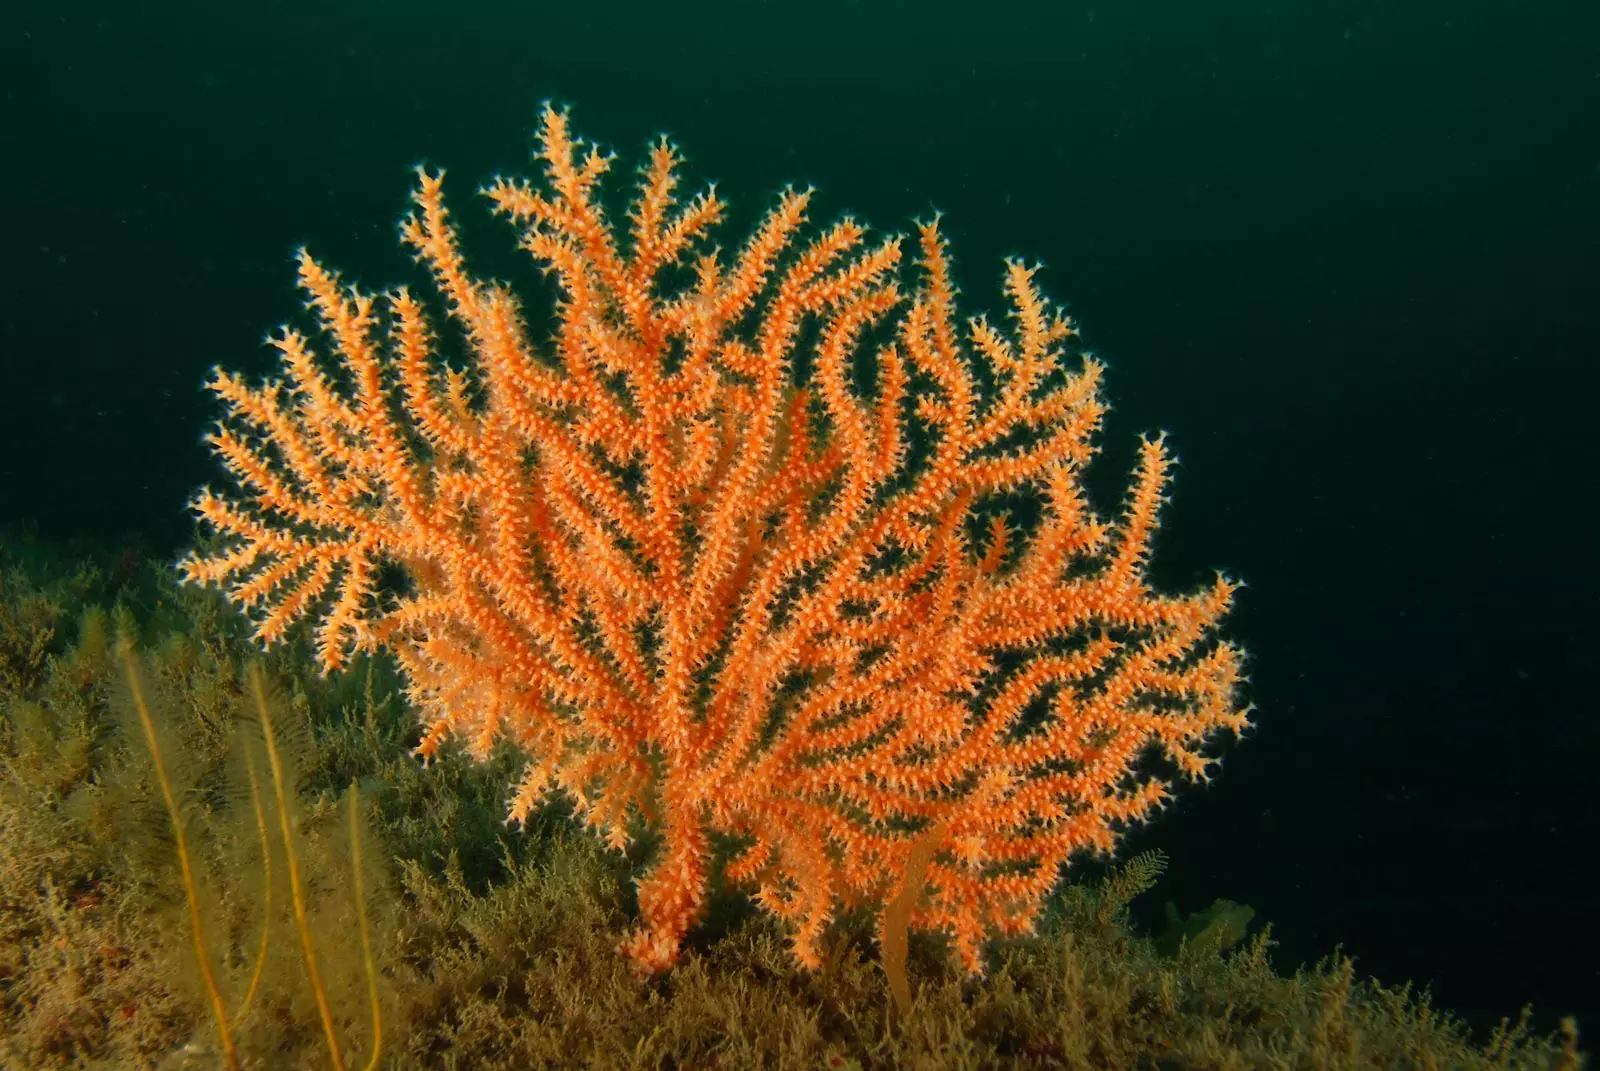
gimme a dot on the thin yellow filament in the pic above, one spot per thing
(258, 688)
(366, 937)
(266, 886)
(189, 886)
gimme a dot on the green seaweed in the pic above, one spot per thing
(1205, 933)
(496, 948)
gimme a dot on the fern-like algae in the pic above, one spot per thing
(504, 957)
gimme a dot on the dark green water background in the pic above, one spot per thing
(1344, 252)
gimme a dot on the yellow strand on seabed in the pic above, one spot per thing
(190, 887)
(366, 936)
(266, 888)
(297, 895)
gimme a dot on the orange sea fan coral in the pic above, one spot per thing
(727, 552)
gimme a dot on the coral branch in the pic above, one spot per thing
(711, 558)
